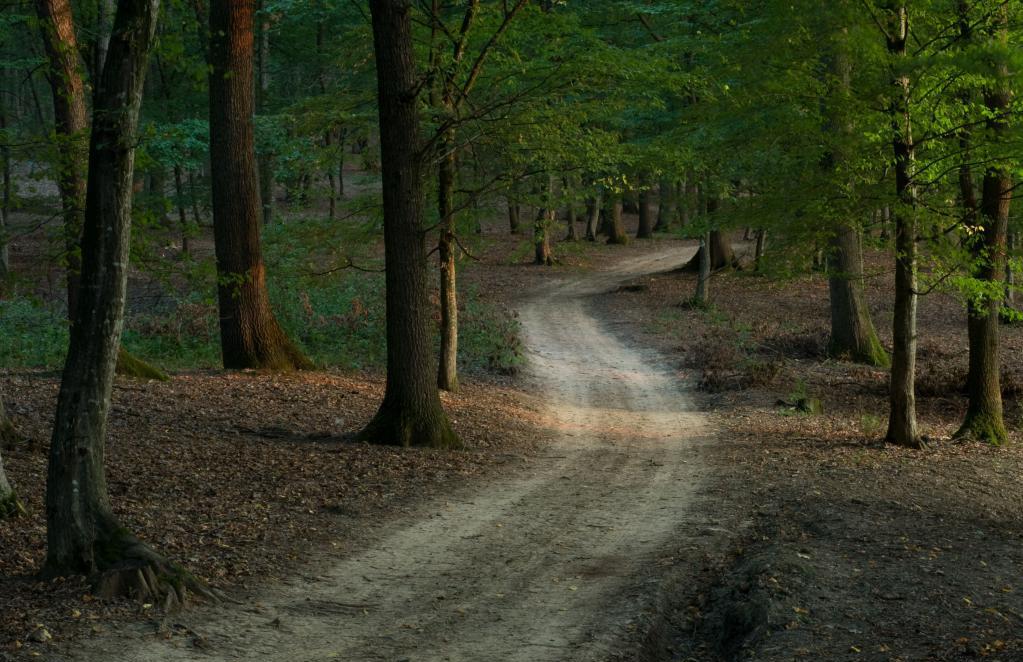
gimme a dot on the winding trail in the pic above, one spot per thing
(559, 562)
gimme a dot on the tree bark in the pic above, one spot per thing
(984, 419)
(83, 535)
(411, 412)
(447, 372)
(902, 427)
(265, 162)
(666, 206)
(572, 216)
(72, 127)
(646, 220)
(593, 206)
(9, 504)
(250, 335)
(6, 191)
(702, 296)
(514, 216)
(852, 331)
(615, 227)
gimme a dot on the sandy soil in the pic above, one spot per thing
(557, 562)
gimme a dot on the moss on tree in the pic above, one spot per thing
(985, 427)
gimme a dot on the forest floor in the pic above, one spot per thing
(854, 550)
(643, 490)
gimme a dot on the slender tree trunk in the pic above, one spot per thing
(447, 373)
(250, 336)
(666, 206)
(411, 413)
(645, 229)
(984, 419)
(179, 193)
(572, 212)
(702, 297)
(72, 127)
(104, 22)
(5, 198)
(83, 535)
(761, 247)
(902, 428)
(267, 176)
(593, 206)
(514, 215)
(852, 331)
(615, 227)
(1010, 276)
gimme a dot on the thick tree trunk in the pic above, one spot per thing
(83, 535)
(411, 413)
(902, 428)
(984, 419)
(852, 331)
(545, 218)
(645, 229)
(615, 228)
(666, 206)
(72, 127)
(249, 333)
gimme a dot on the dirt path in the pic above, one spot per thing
(558, 562)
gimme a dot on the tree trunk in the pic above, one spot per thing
(9, 504)
(447, 372)
(265, 163)
(179, 193)
(411, 413)
(514, 216)
(104, 21)
(72, 126)
(545, 218)
(593, 217)
(984, 419)
(852, 330)
(572, 215)
(250, 335)
(902, 428)
(83, 535)
(702, 297)
(615, 227)
(646, 221)
(666, 206)
(5, 198)
(761, 247)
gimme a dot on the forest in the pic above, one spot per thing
(527, 330)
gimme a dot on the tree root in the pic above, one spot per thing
(144, 575)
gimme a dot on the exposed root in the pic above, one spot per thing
(142, 574)
(131, 366)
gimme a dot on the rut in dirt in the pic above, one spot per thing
(557, 563)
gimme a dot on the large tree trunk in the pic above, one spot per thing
(902, 428)
(411, 413)
(984, 419)
(250, 335)
(615, 228)
(83, 535)
(852, 331)
(72, 125)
